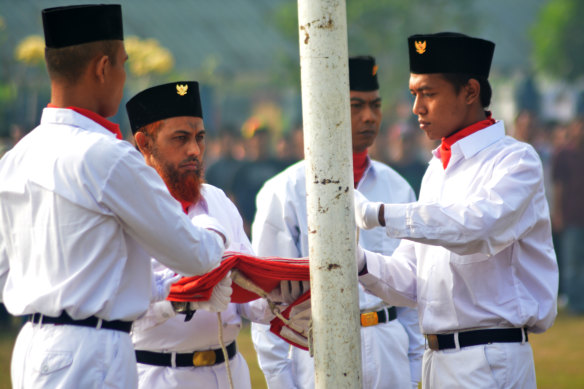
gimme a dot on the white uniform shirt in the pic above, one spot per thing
(154, 332)
(80, 216)
(280, 228)
(479, 252)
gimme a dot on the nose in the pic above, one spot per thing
(368, 115)
(193, 148)
(417, 107)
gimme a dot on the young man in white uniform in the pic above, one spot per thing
(476, 255)
(392, 349)
(75, 239)
(167, 122)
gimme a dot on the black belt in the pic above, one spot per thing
(473, 338)
(197, 358)
(382, 316)
(91, 321)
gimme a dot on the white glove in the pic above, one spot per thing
(161, 282)
(210, 223)
(220, 297)
(366, 212)
(289, 291)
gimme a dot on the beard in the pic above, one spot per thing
(185, 186)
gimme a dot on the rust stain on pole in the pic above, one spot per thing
(327, 24)
(306, 34)
(325, 181)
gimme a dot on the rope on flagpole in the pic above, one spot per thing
(248, 284)
(224, 349)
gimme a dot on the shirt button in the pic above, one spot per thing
(45, 368)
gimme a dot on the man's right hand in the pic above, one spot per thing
(288, 291)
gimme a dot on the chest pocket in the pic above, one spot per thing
(481, 276)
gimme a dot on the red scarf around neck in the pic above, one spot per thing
(185, 205)
(113, 127)
(447, 142)
(359, 166)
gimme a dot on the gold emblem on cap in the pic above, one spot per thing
(375, 67)
(181, 90)
(420, 46)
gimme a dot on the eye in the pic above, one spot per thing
(356, 105)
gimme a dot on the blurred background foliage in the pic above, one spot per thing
(245, 53)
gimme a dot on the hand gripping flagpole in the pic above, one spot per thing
(329, 186)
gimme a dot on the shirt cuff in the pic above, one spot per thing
(397, 224)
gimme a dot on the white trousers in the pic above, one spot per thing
(384, 357)
(66, 356)
(204, 377)
(491, 366)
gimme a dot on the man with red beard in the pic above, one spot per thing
(177, 350)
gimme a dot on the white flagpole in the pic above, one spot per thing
(329, 185)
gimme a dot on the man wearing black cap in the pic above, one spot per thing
(391, 349)
(167, 122)
(477, 255)
(81, 214)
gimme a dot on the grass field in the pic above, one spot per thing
(558, 355)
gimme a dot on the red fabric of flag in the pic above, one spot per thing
(277, 325)
(265, 272)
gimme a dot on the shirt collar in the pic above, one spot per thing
(369, 171)
(110, 126)
(472, 144)
(201, 206)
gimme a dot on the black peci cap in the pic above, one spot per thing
(77, 24)
(449, 52)
(163, 102)
(363, 74)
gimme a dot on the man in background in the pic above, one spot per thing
(391, 344)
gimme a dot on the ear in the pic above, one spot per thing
(143, 143)
(472, 91)
(101, 68)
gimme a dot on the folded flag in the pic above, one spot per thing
(264, 272)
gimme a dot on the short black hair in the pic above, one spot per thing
(459, 80)
(68, 63)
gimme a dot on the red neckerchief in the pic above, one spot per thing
(113, 127)
(359, 166)
(185, 205)
(447, 142)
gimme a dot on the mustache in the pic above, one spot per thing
(191, 160)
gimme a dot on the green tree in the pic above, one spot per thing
(558, 39)
(380, 28)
